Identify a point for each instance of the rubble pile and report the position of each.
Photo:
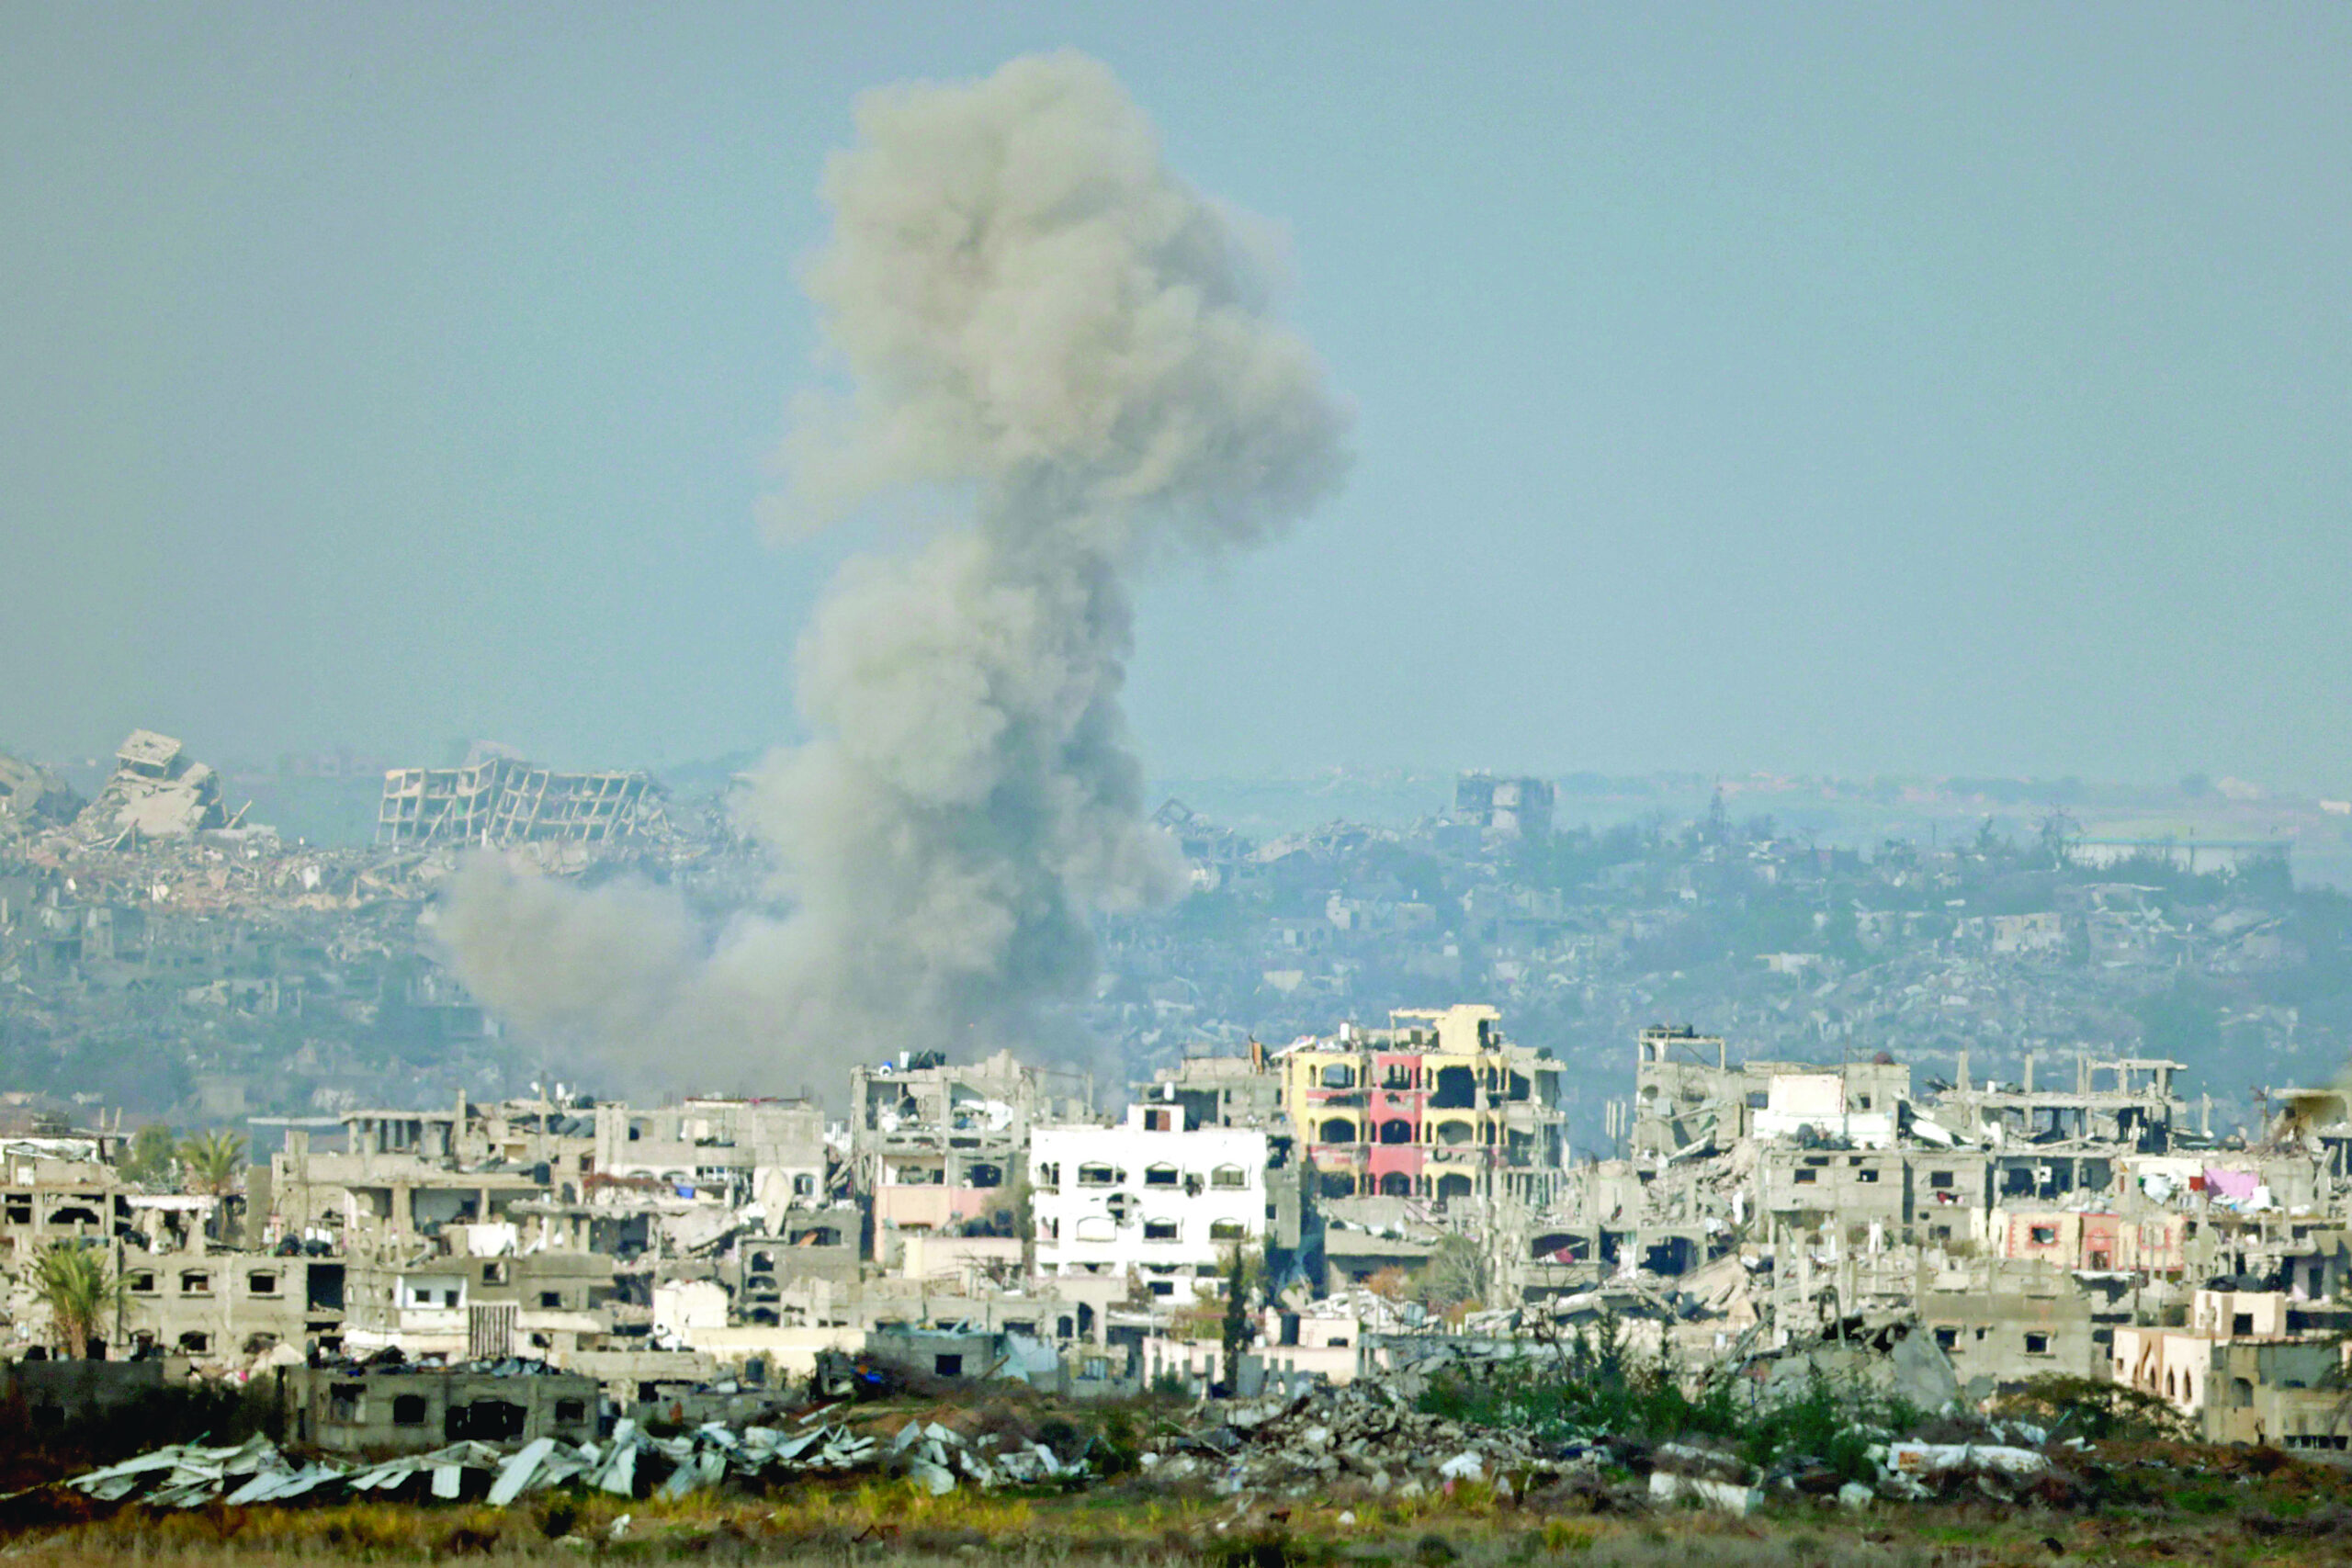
(2004, 1471)
(157, 792)
(30, 796)
(631, 1462)
(1362, 1436)
(1898, 1472)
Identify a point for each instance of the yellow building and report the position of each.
(1439, 1105)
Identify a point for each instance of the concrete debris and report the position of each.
(30, 793)
(1922, 1459)
(1668, 1486)
(157, 792)
(1888, 1356)
(1363, 1435)
(631, 1462)
(1720, 1481)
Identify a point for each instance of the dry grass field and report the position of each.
(2232, 1521)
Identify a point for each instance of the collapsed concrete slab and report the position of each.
(157, 792)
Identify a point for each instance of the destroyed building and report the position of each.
(1155, 1197)
(1690, 1096)
(31, 795)
(1769, 1213)
(935, 1144)
(157, 791)
(2249, 1367)
(500, 801)
(382, 1410)
(1508, 807)
(1245, 1092)
(1438, 1104)
(723, 1150)
(2127, 1101)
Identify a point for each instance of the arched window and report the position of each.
(1162, 1176)
(1338, 1075)
(1097, 1227)
(1227, 1230)
(1397, 1131)
(1337, 1130)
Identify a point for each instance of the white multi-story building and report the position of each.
(1153, 1196)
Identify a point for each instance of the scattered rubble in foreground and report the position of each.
(1363, 1442)
(631, 1462)
(1362, 1448)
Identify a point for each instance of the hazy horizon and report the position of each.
(1840, 392)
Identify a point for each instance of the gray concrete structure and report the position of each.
(404, 1409)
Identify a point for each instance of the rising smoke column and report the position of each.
(1033, 317)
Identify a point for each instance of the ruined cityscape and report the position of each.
(939, 1129)
(1962, 1119)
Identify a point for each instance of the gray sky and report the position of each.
(1870, 390)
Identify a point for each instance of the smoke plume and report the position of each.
(1067, 352)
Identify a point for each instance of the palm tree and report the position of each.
(211, 1162)
(80, 1291)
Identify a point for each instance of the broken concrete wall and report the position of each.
(401, 1409)
(157, 792)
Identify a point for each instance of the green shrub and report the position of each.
(2093, 1408)
(1592, 1384)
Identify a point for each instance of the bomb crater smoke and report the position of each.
(1032, 315)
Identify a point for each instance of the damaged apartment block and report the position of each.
(1437, 1105)
(502, 801)
(938, 1145)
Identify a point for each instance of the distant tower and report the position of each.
(1510, 808)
